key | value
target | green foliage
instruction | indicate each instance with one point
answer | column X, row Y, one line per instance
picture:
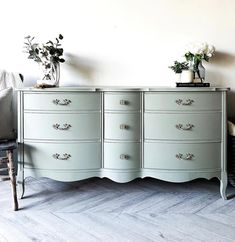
column 48, row 53
column 189, row 56
column 178, row 67
column 195, row 59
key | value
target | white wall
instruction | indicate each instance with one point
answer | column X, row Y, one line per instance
column 120, row 42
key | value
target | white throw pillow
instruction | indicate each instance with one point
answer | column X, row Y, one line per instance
column 6, row 114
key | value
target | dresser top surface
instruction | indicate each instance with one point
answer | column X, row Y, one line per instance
column 124, row 88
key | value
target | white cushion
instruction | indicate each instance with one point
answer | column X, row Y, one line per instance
column 6, row 114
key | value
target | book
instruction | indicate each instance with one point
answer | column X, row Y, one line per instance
column 192, row 84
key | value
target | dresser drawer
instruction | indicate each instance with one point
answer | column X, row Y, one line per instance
column 186, row 126
column 182, row 156
column 124, row 101
column 62, row 156
column 62, row 101
column 122, row 155
column 122, row 126
column 182, row 101
column 62, row 126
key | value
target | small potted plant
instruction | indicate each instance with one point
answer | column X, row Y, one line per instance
column 178, row 68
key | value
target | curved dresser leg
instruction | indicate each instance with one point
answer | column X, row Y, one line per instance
column 223, row 185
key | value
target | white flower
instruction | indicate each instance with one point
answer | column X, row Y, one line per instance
column 200, row 48
column 210, row 50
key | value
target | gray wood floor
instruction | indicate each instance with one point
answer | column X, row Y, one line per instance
column 102, row 210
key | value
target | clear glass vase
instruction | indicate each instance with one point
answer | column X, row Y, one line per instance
column 50, row 74
column 200, row 73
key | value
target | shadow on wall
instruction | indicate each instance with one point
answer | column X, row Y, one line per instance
column 223, row 59
column 82, row 69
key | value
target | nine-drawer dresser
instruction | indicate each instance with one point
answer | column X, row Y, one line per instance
column 172, row 134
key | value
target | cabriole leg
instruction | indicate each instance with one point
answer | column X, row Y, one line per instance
column 223, row 185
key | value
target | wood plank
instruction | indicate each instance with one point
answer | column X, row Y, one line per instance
column 102, row 210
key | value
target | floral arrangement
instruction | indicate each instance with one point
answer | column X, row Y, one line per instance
column 196, row 52
column 48, row 55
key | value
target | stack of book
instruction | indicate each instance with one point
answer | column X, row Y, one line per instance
column 192, row 84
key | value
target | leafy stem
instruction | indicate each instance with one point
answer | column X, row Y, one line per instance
column 44, row 53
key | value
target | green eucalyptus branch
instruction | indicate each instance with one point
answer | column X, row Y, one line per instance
column 50, row 52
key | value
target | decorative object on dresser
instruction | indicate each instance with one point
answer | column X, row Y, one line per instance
column 172, row 134
column 195, row 54
column 186, row 77
column 192, row 70
column 178, row 68
column 49, row 57
column 192, row 84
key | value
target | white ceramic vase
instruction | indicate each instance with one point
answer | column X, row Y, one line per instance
column 187, row 76
column 177, row 77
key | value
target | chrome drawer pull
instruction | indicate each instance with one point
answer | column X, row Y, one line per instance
column 123, row 102
column 124, row 157
column 187, row 126
column 188, row 102
column 188, row 156
column 58, row 157
column 124, row 126
column 64, row 102
column 65, row 126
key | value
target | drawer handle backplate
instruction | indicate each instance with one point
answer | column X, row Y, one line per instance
column 124, row 102
column 124, row 157
column 188, row 102
column 65, row 126
column 124, row 126
column 64, row 102
column 186, row 127
column 188, row 156
column 59, row 157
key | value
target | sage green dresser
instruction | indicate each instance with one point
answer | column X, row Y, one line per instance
column 172, row 134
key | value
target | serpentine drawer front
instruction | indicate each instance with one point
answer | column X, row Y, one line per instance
column 55, row 156
column 62, row 101
column 185, row 126
column 62, row 126
column 172, row 134
column 183, row 101
column 182, row 156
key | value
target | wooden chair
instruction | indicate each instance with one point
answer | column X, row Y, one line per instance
column 7, row 147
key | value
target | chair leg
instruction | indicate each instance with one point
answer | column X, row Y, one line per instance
column 12, row 177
